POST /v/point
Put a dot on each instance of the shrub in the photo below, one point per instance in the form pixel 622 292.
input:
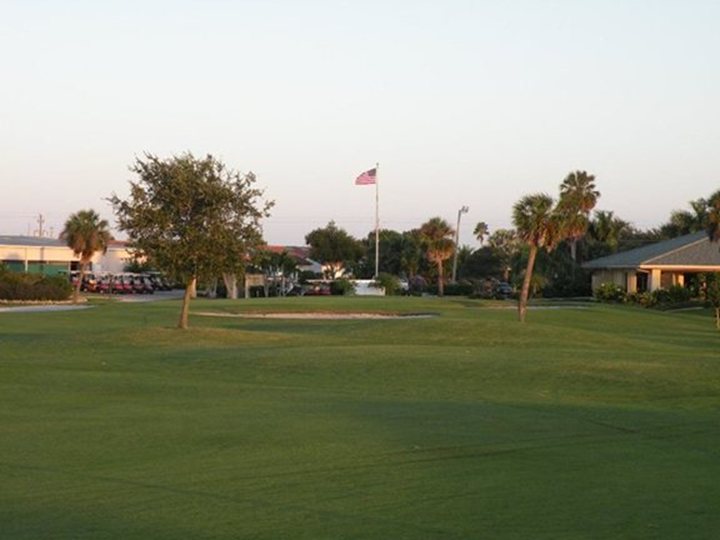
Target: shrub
pixel 417 285
pixel 461 288
pixel 672 296
pixel 342 287
pixel 644 299
pixel 33 287
pixel 390 283
pixel 610 292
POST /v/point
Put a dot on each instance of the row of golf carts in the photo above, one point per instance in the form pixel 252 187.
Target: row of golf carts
pixel 124 283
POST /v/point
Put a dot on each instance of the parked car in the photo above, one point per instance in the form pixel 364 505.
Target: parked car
pixel 503 291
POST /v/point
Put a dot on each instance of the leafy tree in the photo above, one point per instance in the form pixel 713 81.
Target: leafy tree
pixel 279 265
pixel 578 197
pixel 391 249
pixel 685 221
pixel 411 253
pixel 481 263
pixel 481 231
pixel 195 218
pixel 538 225
pixel 333 247
pixel 437 236
pixel 86 234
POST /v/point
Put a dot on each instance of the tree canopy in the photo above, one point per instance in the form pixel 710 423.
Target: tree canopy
pixel 192 217
pixel 333 247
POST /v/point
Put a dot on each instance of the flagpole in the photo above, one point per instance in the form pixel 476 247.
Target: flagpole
pixel 377 219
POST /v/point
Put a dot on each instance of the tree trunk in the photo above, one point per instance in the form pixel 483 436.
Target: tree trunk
pixel 441 285
pixel 212 290
pixel 189 288
pixel 193 288
pixel 76 292
pixel 506 274
pixel 573 249
pixel 230 280
pixel 717 318
pixel 525 292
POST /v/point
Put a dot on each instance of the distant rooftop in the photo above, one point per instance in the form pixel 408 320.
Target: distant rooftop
pixel 690 250
pixel 30 241
pixel 34 241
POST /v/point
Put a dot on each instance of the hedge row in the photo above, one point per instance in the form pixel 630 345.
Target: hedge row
pixel 612 293
pixel 33 287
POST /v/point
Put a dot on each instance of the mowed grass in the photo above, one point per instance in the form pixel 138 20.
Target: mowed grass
pixel 601 422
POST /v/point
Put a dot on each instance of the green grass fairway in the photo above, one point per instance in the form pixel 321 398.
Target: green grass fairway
pixel 595 423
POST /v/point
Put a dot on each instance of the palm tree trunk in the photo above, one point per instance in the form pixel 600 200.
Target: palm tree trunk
pixel 189 287
pixel 76 292
pixel 525 292
pixel 441 285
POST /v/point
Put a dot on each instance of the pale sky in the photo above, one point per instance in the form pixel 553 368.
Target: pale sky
pixel 461 102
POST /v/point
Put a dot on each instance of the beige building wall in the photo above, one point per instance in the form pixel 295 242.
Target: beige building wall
pixel 113 261
pixel 618 277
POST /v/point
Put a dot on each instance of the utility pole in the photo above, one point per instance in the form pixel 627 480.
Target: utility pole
pixel 40 221
pixel 463 210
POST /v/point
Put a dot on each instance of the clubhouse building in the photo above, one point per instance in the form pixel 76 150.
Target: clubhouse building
pixel 50 256
pixel 657 266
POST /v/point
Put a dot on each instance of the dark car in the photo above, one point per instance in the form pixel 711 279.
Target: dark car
pixel 503 291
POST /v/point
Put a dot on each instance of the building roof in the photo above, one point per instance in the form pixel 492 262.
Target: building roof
pixel 33 241
pixel 690 250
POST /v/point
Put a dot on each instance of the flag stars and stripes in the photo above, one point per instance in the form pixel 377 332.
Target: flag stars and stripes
pixel 366 178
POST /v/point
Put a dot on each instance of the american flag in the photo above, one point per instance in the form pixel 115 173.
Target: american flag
pixel 366 178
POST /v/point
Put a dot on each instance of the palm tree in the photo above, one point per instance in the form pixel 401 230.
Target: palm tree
pixel 608 229
pixel 481 231
pixel 504 243
pixel 539 225
pixel 437 235
pixel 578 197
pixel 86 234
pixel 713 217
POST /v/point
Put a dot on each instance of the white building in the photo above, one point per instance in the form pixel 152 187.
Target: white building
pixel 50 256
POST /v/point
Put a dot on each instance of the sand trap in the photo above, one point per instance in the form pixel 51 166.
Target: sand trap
pixel 318 315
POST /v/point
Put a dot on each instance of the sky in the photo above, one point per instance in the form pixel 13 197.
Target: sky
pixel 472 103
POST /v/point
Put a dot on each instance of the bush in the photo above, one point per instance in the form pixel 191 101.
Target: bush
pixel 610 292
pixel 33 287
pixel 342 287
pixel 461 288
pixel 644 299
pixel 673 296
pixel 416 285
pixel 390 283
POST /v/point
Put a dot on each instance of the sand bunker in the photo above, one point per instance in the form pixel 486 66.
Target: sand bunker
pixel 318 315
